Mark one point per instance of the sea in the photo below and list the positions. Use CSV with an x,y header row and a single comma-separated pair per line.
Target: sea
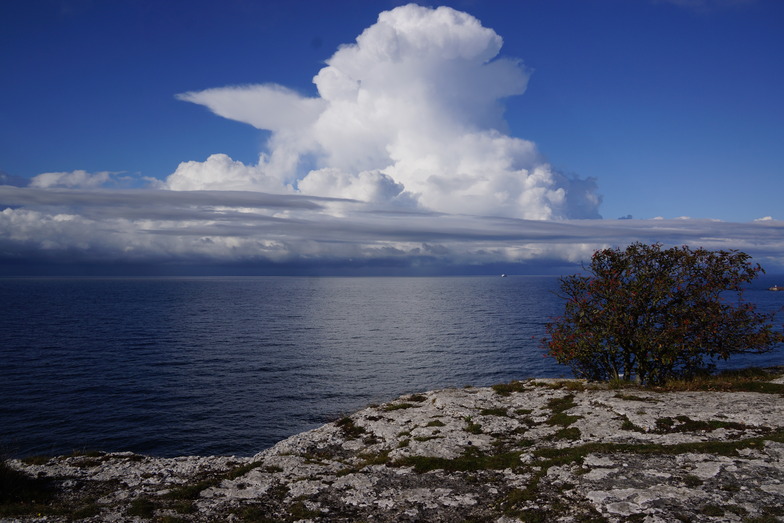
x,y
232,365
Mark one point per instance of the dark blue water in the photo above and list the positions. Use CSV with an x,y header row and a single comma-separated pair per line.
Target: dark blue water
x,y
232,365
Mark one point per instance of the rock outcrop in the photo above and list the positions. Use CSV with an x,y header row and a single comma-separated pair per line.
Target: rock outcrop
x,y
538,450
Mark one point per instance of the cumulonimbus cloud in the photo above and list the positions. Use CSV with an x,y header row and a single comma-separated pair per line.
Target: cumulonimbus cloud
x,y
411,112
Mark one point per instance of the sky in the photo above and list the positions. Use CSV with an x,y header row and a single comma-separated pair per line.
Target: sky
x,y
382,137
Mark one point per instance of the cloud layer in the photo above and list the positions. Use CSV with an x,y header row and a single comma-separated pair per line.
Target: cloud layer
x,y
144,225
411,113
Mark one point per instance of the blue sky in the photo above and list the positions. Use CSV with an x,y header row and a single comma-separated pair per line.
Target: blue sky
x,y
654,109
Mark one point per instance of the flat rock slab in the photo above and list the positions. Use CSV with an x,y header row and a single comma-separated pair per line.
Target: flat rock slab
x,y
539,450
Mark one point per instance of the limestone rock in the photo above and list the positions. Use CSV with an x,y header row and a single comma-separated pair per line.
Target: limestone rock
x,y
544,450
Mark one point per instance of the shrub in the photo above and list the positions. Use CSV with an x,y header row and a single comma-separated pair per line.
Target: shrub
x,y
651,314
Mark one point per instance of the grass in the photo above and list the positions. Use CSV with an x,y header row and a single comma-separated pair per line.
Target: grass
x,y
570,434
751,379
192,491
141,507
349,428
669,425
558,406
506,389
397,406
634,397
494,412
471,427
471,460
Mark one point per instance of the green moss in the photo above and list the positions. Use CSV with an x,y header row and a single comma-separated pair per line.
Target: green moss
x,y
299,511
561,404
426,438
191,491
506,389
634,397
571,434
744,380
628,425
349,428
374,458
668,425
574,385
471,460
564,420
171,519
712,510
765,518
278,491
763,387
141,507
494,412
397,406
435,423
535,515
244,469
183,507
552,456
36,460
692,481
558,407
736,509
366,459
471,427
87,510
255,514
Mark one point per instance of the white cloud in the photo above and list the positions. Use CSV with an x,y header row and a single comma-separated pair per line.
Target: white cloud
x,y
367,186
219,172
417,101
270,106
73,179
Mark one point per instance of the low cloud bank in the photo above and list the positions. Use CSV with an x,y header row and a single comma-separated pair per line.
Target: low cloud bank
x,y
241,227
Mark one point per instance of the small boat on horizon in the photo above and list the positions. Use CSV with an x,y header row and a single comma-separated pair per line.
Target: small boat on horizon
x,y
776,288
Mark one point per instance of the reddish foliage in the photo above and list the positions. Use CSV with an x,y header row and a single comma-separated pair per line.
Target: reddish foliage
x,y
652,314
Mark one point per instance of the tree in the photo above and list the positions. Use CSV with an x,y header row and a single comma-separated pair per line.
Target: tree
x,y
653,314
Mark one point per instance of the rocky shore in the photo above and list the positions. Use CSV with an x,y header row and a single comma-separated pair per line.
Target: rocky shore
x,y
537,450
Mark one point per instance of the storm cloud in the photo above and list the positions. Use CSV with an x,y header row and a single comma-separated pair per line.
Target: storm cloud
x,y
410,113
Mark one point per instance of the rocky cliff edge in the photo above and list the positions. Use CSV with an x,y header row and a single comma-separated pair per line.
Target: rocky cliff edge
x,y
536,450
